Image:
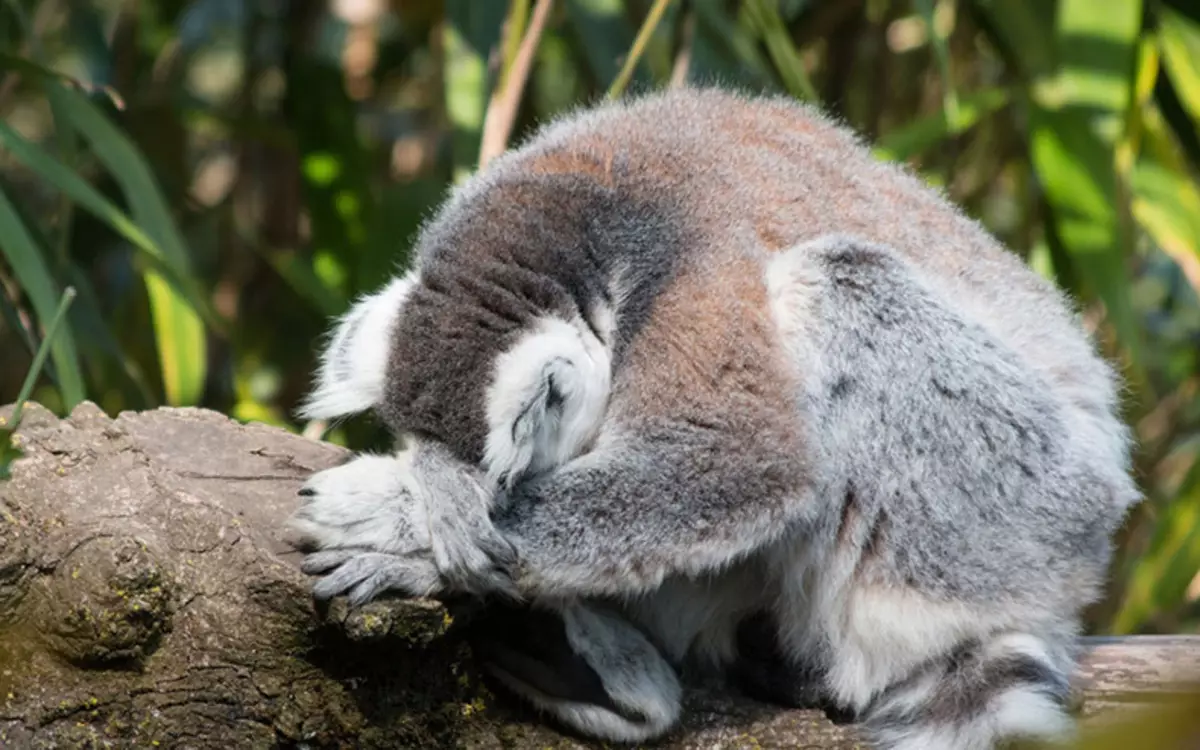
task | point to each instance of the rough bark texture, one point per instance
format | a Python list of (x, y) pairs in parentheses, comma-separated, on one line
[(148, 599)]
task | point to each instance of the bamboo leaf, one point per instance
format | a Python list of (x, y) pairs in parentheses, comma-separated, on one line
[(1161, 576), (1096, 43), (653, 18), (471, 31), (29, 266), (1026, 29), (607, 36), (99, 344), (1167, 205), (764, 15), (87, 197), (927, 9), (53, 327), (1076, 169), (725, 50), (1075, 122), (931, 130), (1180, 41), (178, 328)]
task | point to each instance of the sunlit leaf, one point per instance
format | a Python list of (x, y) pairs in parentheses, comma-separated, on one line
[(1180, 40), (29, 266), (1075, 167), (178, 328), (934, 129), (88, 198), (1162, 576), (1167, 204), (334, 166), (470, 33), (1096, 42), (653, 18), (1075, 124)]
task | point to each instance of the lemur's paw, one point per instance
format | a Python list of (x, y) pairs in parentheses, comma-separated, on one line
[(365, 505), (372, 517), (475, 559), (366, 532), (363, 575)]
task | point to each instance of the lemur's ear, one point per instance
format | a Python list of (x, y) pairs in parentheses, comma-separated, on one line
[(354, 362), (546, 401)]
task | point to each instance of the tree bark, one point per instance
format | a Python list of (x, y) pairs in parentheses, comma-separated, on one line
[(148, 599)]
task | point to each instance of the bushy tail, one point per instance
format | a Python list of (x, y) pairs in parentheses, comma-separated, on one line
[(589, 669), (1014, 687)]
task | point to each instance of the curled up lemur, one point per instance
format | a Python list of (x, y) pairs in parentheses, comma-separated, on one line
[(697, 363)]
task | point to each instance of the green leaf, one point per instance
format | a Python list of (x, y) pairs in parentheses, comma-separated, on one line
[(43, 74), (764, 15), (941, 51), (1026, 29), (607, 35), (1075, 167), (725, 50), (931, 130), (30, 268), (178, 328), (300, 276), (1167, 204), (1076, 120), (1161, 576), (335, 169), (12, 318), (87, 197), (100, 346), (1180, 41), (634, 56), (53, 327), (1096, 47), (470, 33)]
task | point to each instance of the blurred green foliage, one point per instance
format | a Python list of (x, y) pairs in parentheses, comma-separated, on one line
[(216, 178)]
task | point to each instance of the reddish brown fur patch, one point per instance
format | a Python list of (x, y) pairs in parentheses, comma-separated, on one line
[(594, 160), (710, 355)]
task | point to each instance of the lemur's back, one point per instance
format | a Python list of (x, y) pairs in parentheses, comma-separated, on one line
[(757, 176)]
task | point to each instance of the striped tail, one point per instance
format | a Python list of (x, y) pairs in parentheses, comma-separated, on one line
[(1013, 687)]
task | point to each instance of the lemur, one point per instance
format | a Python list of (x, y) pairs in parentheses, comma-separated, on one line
[(697, 361)]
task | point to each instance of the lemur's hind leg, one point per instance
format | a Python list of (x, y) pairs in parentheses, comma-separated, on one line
[(582, 664)]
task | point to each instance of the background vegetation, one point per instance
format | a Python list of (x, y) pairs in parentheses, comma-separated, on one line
[(213, 179)]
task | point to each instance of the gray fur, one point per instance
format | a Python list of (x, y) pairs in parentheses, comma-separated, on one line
[(836, 406), (955, 455), (501, 267)]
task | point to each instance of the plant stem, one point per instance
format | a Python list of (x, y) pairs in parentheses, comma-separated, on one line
[(639, 46), (39, 359)]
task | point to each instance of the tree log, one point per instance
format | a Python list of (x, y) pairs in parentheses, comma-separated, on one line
[(148, 599)]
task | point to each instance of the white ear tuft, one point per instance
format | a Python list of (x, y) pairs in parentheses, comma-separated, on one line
[(354, 363), (547, 400)]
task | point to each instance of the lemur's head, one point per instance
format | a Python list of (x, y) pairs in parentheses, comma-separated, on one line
[(497, 343)]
